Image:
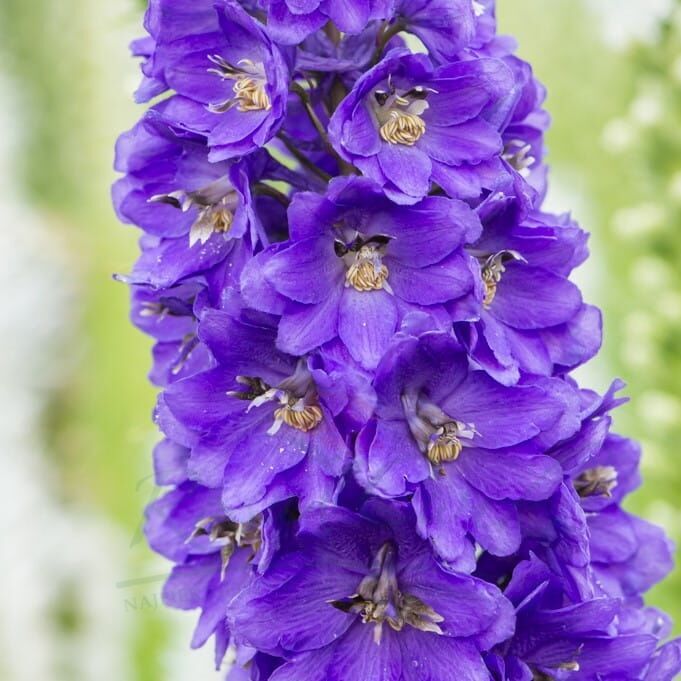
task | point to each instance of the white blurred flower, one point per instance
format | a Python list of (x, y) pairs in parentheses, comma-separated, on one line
[(675, 69), (625, 21), (651, 272), (675, 186), (659, 409), (648, 108), (638, 347), (669, 305), (618, 135), (639, 221)]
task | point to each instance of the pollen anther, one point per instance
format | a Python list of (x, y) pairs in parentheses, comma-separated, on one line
[(403, 128), (446, 445), (305, 419)]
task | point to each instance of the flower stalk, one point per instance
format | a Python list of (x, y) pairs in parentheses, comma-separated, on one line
[(380, 467)]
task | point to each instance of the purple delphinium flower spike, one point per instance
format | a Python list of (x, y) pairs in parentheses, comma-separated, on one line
[(380, 467)]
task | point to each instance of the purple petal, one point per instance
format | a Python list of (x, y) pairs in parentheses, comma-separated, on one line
[(408, 168), (495, 524), (439, 283), (507, 475), (386, 458), (532, 298), (367, 320), (306, 270), (307, 327)]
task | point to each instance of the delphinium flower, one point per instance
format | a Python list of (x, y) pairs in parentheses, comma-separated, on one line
[(379, 466)]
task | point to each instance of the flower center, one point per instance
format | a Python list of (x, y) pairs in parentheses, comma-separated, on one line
[(598, 481), (299, 415), (493, 267), (297, 396), (189, 343), (565, 666), (154, 309), (445, 445), (364, 260), (367, 272), (229, 536), (517, 154), (249, 87), (216, 204), (438, 436), (399, 114), (403, 128), (379, 601)]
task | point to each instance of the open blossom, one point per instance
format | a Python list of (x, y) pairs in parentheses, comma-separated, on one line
[(407, 125), (232, 78), (444, 432), (533, 319), (356, 264), (379, 467), (256, 400), (376, 606), (168, 316), (195, 214), (214, 556), (558, 640)]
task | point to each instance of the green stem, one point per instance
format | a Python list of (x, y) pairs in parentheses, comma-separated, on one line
[(302, 158), (346, 168), (386, 33), (262, 189)]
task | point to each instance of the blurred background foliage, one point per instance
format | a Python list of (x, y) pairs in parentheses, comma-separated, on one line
[(65, 94)]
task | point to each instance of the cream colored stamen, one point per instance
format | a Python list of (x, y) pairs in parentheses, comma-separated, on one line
[(403, 128), (380, 601), (491, 280), (250, 83), (399, 113), (367, 272), (304, 418), (492, 270), (597, 481), (446, 446), (212, 220), (518, 155), (251, 95)]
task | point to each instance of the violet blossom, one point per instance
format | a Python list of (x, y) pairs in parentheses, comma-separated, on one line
[(379, 466)]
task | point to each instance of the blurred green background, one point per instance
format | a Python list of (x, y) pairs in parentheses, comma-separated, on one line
[(79, 586)]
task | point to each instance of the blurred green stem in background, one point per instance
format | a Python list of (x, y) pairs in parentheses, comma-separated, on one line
[(615, 148), (69, 62)]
